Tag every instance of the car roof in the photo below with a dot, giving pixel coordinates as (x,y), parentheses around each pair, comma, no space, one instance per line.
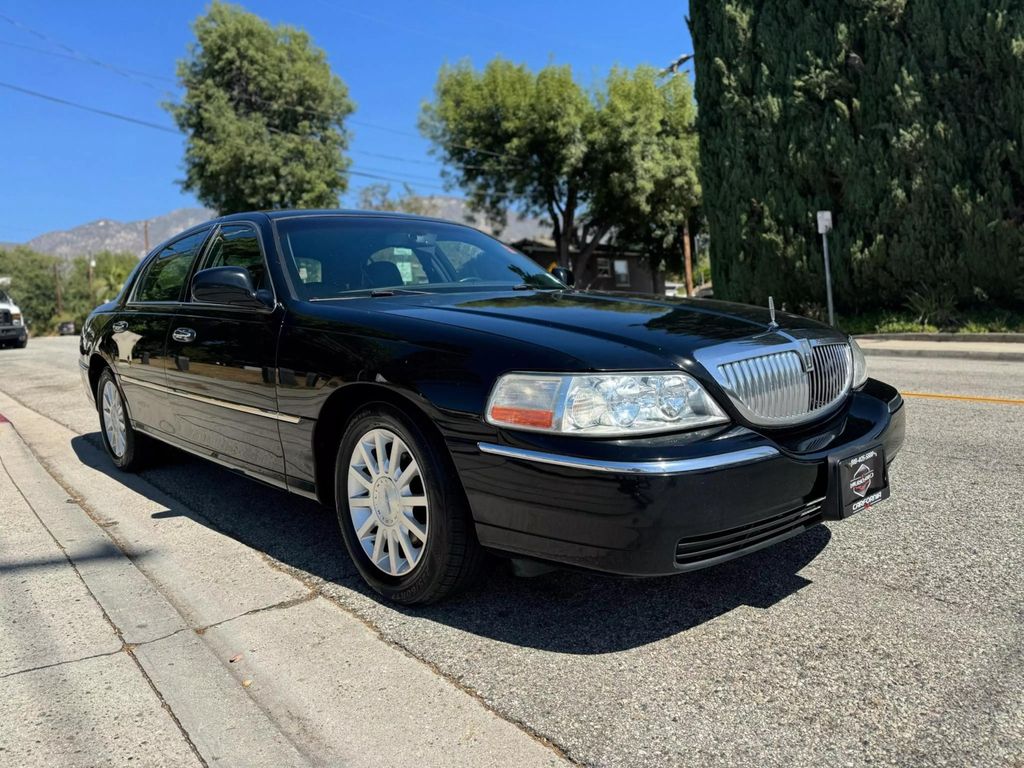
(312,212)
(302,213)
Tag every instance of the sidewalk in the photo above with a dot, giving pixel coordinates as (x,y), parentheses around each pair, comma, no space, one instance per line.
(172,644)
(942,347)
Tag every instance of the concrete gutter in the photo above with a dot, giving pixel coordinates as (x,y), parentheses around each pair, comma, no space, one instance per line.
(238,662)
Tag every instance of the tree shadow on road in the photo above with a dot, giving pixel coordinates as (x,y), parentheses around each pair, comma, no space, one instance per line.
(563,612)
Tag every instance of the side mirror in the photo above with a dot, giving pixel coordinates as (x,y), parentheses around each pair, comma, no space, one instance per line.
(228,285)
(564,275)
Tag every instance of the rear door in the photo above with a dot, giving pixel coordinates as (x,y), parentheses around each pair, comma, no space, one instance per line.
(222,364)
(138,331)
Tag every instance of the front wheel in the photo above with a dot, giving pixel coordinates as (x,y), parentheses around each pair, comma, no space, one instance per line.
(119,437)
(402,511)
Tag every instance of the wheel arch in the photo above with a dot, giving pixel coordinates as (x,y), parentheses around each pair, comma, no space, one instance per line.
(335,415)
(96,365)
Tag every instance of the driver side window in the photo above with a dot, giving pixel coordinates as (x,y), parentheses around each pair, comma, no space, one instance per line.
(165,275)
(238,245)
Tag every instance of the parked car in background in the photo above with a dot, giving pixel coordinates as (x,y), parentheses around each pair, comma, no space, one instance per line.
(448,397)
(67,329)
(13,331)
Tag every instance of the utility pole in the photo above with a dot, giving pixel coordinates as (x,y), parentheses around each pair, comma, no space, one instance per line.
(145,233)
(92,266)
(56,284)
(675,65)
(687,260)
(824,227)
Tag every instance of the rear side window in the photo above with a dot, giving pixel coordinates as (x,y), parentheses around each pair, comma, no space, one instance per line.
(165,276)
(238,245)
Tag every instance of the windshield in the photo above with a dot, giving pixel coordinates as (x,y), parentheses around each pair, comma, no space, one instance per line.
(335,256)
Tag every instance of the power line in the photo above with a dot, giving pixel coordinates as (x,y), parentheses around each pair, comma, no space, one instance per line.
(134,75)
(527,28)
(83,57)
(85,108)
(411,177)
(80,60)
(419,181)
(396,180)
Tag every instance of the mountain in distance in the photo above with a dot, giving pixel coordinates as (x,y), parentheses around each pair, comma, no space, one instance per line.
(129,236)
(122,236)
(455,209)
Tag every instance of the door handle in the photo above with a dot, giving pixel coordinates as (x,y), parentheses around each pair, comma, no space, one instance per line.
(119,326)
(184,335)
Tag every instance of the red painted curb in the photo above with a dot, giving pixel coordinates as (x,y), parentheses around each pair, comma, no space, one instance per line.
(4,419)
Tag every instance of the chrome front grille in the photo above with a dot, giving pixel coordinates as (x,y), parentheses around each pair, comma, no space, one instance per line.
(831,374)
(790,386)
(771,386)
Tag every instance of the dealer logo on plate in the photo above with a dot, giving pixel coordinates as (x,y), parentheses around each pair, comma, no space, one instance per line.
(862,480)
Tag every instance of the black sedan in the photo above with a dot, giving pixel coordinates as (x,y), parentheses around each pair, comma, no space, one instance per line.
(450,398)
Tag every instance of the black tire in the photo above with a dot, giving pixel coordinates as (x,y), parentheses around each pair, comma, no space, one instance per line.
(21,344)
(131,458)
(451,558)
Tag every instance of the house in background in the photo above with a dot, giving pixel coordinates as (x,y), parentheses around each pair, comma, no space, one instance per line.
(610,268)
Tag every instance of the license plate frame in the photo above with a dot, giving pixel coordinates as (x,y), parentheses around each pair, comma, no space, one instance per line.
(857,481)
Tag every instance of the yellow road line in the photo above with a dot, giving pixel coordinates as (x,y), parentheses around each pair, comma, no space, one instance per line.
(965,398)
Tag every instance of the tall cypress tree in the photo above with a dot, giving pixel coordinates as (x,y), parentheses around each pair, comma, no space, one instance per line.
(903,117)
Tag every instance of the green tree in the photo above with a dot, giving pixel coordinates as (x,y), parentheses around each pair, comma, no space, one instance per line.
(903,118)
(108,276)
(593,163)
(33,284)
(263,115)
(656,194)
(377,197)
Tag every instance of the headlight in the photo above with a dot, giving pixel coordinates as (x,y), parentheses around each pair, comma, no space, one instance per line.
(16,318)
(602,405)
(860,365)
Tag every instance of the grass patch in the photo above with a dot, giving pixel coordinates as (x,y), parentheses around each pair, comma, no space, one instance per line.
(967,321)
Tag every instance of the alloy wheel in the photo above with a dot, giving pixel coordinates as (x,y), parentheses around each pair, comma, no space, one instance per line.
(114,423)
(387,502)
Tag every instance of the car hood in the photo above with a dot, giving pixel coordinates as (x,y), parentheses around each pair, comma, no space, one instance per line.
(668,328)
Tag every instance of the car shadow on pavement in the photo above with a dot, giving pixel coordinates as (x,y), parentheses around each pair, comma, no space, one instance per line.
(563,611)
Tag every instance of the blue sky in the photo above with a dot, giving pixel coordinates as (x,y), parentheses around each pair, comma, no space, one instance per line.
(62,167)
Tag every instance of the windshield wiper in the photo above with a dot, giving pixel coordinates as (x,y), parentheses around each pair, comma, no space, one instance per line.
(377,292)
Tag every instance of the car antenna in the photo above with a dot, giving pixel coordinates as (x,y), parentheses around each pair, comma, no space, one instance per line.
(771,314)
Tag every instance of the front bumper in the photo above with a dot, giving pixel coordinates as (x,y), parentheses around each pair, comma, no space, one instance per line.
(669,504)
(10,333)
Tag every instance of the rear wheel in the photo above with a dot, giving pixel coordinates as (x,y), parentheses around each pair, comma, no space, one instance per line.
(402,510)
(119,437)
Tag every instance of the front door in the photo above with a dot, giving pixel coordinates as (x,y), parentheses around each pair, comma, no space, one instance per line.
(221,366)
(138,335)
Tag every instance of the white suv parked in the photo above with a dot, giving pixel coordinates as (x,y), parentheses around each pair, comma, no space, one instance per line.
(12,323)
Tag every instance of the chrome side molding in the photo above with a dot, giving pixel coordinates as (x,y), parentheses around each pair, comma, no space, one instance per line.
(214,401)
(666,467)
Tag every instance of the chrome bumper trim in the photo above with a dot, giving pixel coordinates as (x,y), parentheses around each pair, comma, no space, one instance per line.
(667,467)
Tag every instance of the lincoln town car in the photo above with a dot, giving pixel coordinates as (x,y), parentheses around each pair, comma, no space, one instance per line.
(451,399)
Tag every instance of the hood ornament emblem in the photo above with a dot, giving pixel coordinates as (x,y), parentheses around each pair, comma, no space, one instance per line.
(772,325)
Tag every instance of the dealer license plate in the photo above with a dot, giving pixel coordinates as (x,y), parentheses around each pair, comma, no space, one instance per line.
(860,481)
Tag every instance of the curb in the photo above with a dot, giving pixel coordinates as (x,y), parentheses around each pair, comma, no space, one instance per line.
(1010,338)
(1017,357)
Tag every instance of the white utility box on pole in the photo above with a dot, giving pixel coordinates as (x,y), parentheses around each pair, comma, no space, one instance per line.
(824,227)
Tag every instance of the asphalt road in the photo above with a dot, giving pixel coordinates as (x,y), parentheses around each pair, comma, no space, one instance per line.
(892,638)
